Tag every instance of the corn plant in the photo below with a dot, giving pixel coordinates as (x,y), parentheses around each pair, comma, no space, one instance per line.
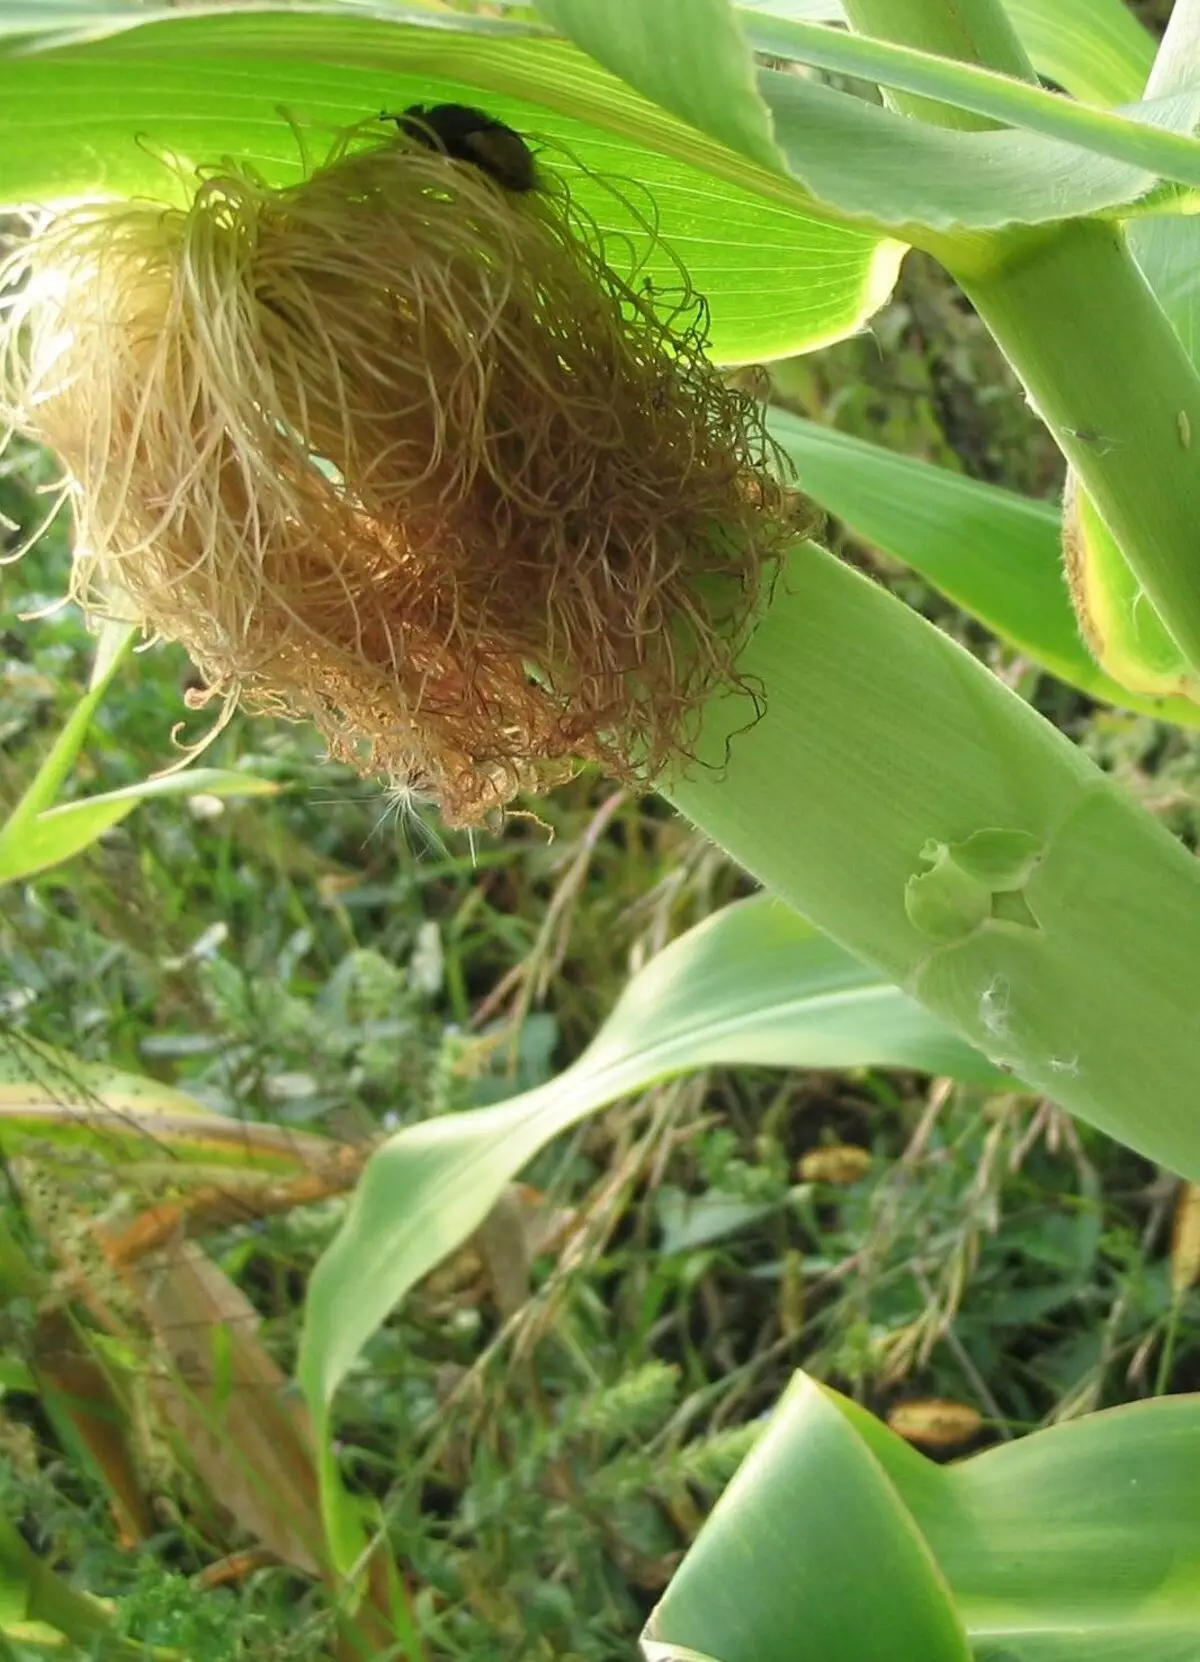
(890,790)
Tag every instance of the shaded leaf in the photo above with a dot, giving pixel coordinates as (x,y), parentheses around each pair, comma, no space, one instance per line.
(997,555)
(1151,135)
(907,177)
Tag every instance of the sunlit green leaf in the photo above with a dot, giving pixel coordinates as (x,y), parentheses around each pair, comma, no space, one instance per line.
(1096,49)
(777,280)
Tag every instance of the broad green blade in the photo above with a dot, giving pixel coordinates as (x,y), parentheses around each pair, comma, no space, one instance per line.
(60,833)
(811,1552)
(687,55)
(33,24)
(868,162)
(1145,135)
(753,984)
(997,555)
(1077,1544)
(855,159)
(912,178)
(1167,247)
(1178,55)
(1095,1521)
(1095,49)
(888,766)
(777,280)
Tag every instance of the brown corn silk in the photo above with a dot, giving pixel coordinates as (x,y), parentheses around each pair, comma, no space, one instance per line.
(400,453)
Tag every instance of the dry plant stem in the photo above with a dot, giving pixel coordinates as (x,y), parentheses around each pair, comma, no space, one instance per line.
(398,452)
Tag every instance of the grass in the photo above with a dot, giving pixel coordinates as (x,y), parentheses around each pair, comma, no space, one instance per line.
(548,1419)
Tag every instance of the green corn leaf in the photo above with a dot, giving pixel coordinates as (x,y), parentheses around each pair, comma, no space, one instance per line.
(1140,136)
(811,1551)
(997,555)
(201,87)
(1121,402)
(1095,49)
(50,1099)
(687,55)
(871,163)
(37,835)
(57,764)
(1175,61)
(884,751)
(752,984)
(916,179)
(1125,630)
(1075,1544)
(619,35)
